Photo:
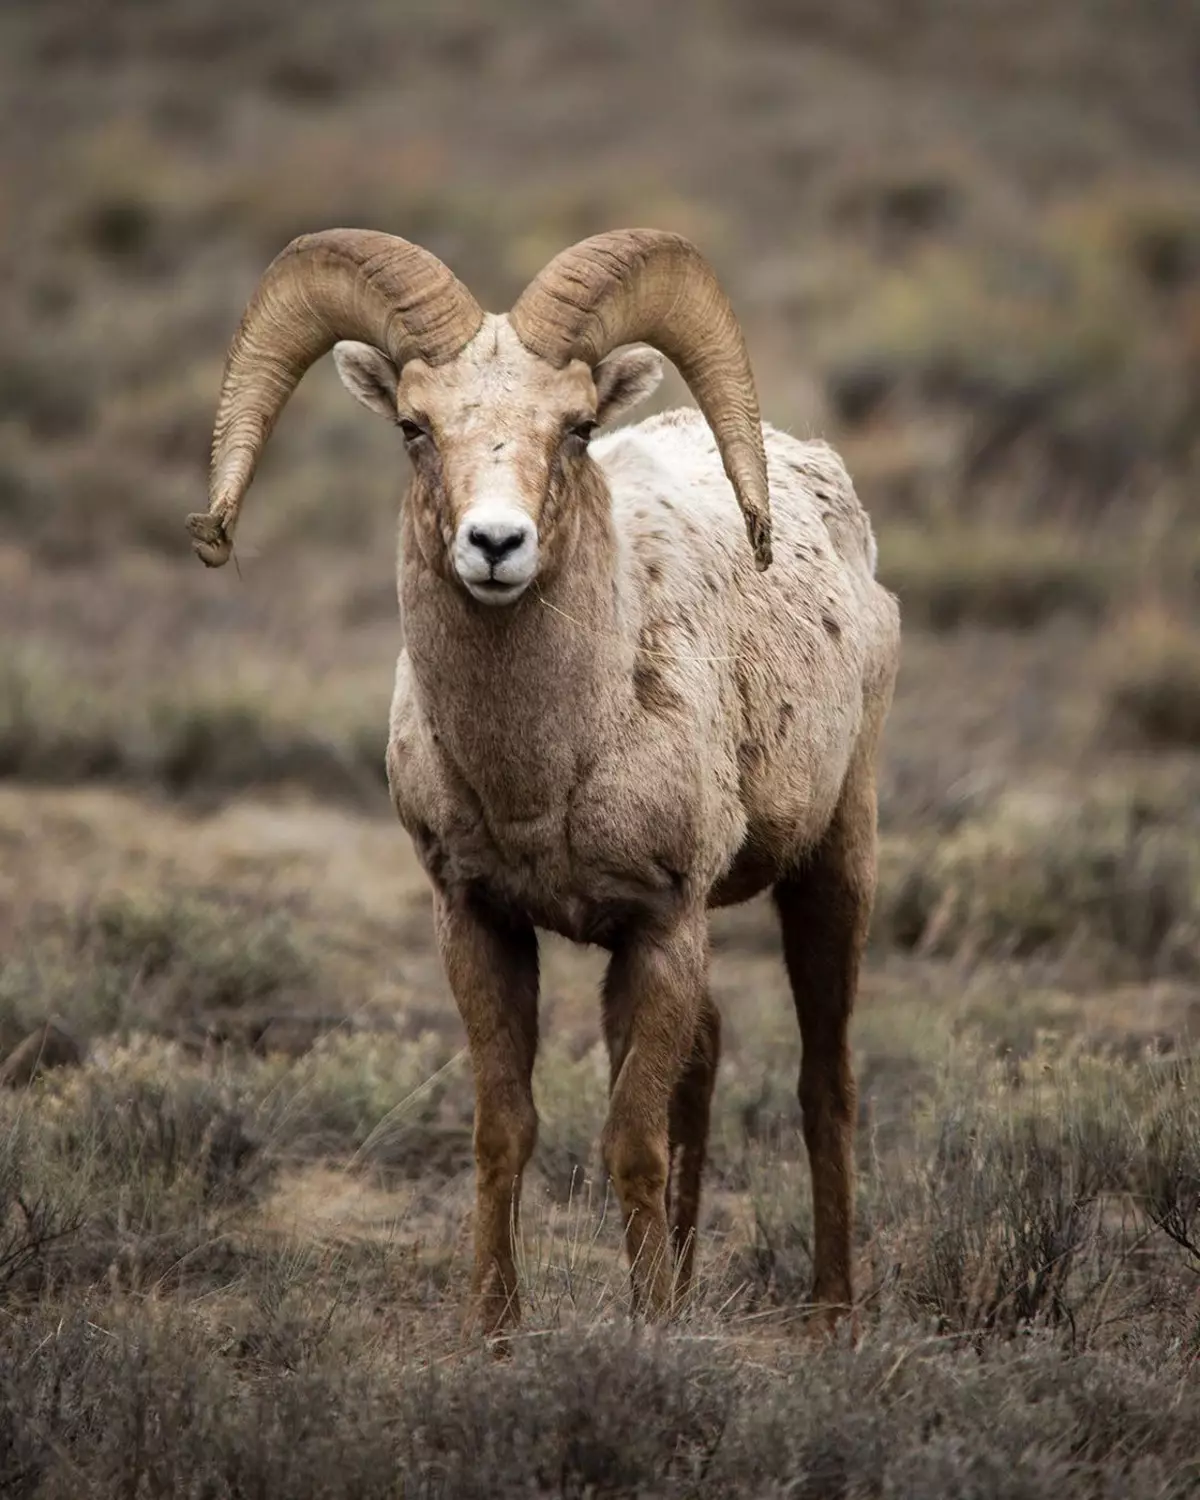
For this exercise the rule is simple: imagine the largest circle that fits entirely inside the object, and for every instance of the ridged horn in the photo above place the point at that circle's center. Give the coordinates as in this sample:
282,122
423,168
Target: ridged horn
337,284
649,286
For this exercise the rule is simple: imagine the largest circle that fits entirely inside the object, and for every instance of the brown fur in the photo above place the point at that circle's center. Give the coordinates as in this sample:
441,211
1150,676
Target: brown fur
651,729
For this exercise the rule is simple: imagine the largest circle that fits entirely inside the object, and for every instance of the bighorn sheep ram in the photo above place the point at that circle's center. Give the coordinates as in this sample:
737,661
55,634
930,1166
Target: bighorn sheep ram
608,715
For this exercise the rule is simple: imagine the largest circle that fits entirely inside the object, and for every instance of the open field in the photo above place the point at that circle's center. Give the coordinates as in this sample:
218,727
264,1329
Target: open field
965,244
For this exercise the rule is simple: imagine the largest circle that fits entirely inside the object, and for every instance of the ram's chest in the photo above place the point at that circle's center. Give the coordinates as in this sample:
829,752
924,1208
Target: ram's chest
584,864
524,863
551,868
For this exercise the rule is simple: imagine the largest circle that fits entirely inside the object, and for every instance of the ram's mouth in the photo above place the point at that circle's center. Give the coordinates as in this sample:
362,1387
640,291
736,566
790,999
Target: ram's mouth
495,590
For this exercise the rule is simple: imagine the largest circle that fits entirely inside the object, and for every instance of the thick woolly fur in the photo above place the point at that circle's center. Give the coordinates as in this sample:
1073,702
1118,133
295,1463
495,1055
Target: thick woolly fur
651,729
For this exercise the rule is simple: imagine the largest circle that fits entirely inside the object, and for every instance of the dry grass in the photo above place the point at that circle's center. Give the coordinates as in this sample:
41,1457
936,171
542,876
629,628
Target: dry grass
194,1239
1022,1239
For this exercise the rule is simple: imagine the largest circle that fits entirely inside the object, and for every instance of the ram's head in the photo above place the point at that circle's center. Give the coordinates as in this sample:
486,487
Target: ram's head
496,412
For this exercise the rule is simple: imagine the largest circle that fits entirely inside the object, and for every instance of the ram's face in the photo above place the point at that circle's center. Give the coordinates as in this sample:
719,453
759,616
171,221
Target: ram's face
495,436
498,438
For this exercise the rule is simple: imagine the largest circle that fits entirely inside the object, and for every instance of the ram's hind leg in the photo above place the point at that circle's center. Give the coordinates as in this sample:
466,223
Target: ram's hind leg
825,910
491,962
691,1106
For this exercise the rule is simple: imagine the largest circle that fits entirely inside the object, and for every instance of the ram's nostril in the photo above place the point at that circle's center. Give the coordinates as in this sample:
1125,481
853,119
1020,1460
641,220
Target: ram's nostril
495,542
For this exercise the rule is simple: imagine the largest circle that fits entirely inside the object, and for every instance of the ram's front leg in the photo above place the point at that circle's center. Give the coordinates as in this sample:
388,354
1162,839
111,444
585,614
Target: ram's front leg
491,961
652,1001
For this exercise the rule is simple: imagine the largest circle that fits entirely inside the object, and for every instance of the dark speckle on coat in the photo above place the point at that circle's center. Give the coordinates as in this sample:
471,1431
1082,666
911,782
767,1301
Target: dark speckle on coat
653,691
749,758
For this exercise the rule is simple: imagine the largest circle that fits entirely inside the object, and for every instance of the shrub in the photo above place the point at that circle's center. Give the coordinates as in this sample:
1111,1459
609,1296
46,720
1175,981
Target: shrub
142,1403
36,1216
949,576
1042,354
1152,681
190,739
166,962
393,1103
1109,885
127,1171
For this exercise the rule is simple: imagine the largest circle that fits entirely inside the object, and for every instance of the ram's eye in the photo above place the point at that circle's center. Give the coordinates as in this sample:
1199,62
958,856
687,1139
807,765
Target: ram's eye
411,431
583,431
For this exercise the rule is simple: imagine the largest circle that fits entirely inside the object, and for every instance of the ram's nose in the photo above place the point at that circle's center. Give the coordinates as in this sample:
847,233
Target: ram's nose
499,538
496,552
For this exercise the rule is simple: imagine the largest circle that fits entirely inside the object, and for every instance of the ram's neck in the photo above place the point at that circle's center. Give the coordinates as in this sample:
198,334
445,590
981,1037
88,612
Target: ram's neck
521,697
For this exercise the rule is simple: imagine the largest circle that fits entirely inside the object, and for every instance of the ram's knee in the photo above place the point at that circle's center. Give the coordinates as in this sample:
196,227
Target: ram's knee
637,1164
504,1141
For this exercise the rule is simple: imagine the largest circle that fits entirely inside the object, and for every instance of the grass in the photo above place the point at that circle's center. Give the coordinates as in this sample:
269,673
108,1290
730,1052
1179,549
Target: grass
400,1106
571,1095
253,1267
1029,1251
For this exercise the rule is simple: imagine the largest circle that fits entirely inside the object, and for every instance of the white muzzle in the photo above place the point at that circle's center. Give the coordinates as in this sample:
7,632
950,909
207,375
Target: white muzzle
496,552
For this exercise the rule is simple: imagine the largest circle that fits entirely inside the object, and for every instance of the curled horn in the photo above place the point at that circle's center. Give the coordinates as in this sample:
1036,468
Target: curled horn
338,284
649,286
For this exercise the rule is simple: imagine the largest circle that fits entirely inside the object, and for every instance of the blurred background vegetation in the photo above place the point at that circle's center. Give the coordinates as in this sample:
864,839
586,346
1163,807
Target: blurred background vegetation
964,242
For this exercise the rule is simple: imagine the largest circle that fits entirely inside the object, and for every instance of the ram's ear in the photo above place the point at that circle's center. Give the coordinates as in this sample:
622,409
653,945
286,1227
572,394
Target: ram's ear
368,375
624,379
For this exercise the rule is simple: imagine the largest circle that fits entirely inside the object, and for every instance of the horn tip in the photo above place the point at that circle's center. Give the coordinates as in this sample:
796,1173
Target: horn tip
210,541
759,530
